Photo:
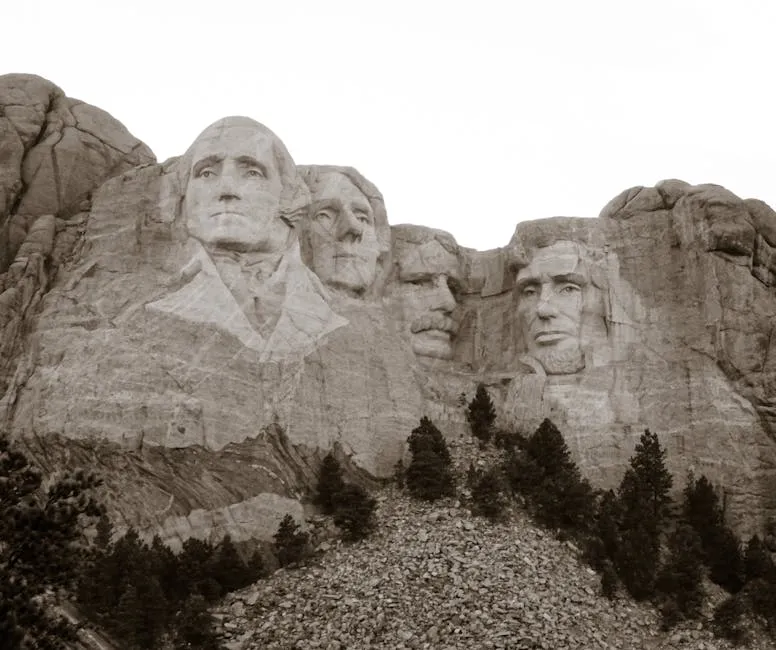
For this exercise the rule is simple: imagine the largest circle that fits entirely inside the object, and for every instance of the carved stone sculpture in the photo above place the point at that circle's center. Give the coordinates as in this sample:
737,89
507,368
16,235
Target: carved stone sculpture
559,300
229,320
241,200
427,273
346,238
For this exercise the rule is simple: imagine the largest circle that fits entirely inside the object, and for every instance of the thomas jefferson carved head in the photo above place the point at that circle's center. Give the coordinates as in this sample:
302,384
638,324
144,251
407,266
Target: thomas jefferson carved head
240,187
427,275
560,304
346,234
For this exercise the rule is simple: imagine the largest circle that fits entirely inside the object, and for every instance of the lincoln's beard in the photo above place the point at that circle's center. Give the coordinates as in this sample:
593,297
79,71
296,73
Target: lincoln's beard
556,361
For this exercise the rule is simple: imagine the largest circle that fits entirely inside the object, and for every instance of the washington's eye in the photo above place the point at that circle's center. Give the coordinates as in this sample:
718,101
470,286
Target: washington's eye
253,172
206,173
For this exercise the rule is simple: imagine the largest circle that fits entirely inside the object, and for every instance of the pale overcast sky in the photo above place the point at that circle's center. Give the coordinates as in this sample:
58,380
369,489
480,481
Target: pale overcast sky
469,116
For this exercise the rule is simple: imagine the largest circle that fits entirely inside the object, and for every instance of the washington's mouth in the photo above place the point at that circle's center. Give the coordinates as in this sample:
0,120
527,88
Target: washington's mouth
226,213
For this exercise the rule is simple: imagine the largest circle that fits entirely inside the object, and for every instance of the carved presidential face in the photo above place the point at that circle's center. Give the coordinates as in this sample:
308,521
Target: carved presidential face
550,304
233,194
342,234
428,284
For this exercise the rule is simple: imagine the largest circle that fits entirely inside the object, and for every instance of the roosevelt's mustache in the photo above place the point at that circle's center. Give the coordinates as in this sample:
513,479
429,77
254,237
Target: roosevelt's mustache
433,322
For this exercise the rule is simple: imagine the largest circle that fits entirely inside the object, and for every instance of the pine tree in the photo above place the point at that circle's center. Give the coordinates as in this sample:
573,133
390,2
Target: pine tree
644,502
354,512
481,415
290,542
330,482
194,629
653,481
547,476
227,566
130,620
42,545
681,578
428,476
721,547
426,436
758,563
488,496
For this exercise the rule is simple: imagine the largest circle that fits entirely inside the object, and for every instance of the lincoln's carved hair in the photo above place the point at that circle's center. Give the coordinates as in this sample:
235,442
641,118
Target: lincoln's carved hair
583,233
294,199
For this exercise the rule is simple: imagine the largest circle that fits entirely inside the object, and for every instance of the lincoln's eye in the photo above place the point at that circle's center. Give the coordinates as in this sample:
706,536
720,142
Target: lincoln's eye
529,291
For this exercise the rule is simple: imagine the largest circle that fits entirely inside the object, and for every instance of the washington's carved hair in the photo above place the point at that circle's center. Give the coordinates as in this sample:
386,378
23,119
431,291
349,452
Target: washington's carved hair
294,198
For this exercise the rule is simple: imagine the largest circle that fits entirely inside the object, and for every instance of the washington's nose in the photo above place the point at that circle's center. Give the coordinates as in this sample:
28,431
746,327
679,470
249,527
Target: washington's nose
227,188
348,227
443,300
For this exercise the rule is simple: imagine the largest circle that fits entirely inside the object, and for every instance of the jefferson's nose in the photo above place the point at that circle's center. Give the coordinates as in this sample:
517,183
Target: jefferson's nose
348,227
443,299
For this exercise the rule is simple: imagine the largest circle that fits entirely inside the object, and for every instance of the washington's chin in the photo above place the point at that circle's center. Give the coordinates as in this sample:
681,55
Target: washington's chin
436,344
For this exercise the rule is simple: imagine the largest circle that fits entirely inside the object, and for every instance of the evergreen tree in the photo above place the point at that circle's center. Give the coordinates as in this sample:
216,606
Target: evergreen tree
725,560
354,512
652,480
701,509
721,548
41,545
330,482
427,437
608,523
488,496
644,502
256,568
609,580
547,476
758,562
228,568
130,619
428,476
728,621
481,415
194,629
290,542
681,578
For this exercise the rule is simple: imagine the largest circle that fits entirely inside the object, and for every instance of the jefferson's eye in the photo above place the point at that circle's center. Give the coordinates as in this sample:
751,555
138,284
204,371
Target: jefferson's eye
569,289
323,215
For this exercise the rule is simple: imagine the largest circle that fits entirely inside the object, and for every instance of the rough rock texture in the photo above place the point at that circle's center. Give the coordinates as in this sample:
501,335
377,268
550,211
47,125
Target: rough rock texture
433,576
155,331
54,151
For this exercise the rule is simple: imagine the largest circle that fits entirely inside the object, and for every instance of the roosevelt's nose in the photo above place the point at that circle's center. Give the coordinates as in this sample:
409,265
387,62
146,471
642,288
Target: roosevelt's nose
443,299
546,307
349,228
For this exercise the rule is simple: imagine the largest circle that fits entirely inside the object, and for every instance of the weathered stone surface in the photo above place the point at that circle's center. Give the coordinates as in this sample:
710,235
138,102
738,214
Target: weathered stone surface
216,324
54,150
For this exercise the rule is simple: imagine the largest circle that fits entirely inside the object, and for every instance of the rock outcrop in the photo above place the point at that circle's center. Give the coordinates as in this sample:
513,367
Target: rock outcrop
206,329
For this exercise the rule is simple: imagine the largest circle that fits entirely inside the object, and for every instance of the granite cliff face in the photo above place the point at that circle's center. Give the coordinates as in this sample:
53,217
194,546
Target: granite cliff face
206,329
